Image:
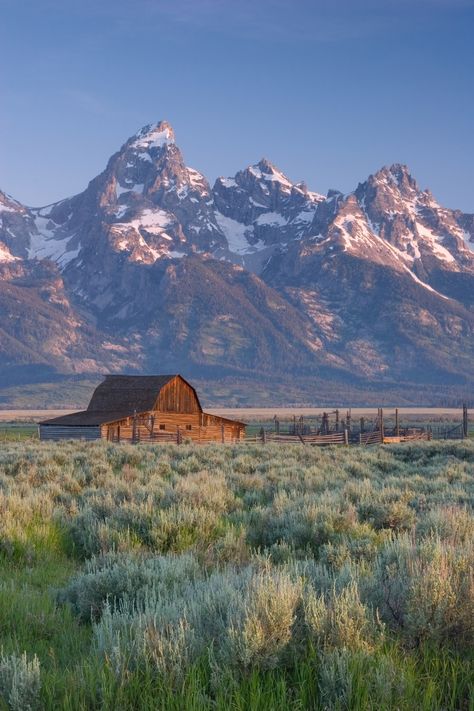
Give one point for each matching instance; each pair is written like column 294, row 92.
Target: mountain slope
column 150, row 269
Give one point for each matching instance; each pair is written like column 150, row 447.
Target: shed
column 143, row 408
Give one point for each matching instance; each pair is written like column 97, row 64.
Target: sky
column 328, row 90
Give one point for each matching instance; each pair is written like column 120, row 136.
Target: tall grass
column 236, row 577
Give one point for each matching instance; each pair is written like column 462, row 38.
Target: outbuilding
column 143, row 408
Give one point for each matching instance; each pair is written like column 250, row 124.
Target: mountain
column 254, row 279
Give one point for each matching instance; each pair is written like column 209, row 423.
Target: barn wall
column 57, row 432
column 177, row 396
column 194, row 426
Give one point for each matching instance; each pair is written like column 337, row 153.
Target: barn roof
column 118, row 397
column 87, row 418
column 128, row 393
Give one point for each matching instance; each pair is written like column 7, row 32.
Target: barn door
column 113, row 433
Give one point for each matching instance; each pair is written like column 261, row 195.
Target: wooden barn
column 143, row 408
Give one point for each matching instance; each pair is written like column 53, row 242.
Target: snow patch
column 153, row 136
column 153, row 221
column 257, row 204
column 236, row 234
column 228, row 182
column 120, row 211
column 46, row 245
column 129, row 237
column 305, row 216
column 271, row 218
column 7, row 208
column 468, row 240
column 10, row 205
column 427, row 286
column 137, row 188
column 6, row 255
column 433, row 240
column 274, row 176
column 196, row 178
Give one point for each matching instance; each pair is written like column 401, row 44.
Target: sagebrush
column 246, row 576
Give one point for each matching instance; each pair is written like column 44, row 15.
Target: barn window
column 188, row 427
column 162, row 427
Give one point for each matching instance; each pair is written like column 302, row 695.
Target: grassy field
column 236, row 577
column 17, row 431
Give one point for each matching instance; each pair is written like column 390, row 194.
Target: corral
column 133, row 408
column 337, row 427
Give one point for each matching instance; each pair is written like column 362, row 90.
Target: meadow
column 236, row 577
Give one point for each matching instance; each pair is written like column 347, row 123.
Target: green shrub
column 114, row 577
column 426, row 590
column 340, row 620
column 20, row 682
column 261, row 630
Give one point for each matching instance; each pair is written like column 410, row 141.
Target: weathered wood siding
column 178, row 396
column 196, row 426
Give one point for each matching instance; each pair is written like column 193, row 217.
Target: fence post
column 178, row 436
column 134, row 427
column 337, row 420
column 346, row 436
column 222, row 434
column 464, row 421
column 397, row 423
column 325, row 424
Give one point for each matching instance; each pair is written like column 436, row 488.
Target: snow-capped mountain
column 260, row 210
column 151, row 267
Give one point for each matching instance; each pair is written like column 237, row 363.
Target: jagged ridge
column 147, row 252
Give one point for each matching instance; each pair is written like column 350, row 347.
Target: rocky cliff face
column 151, row 269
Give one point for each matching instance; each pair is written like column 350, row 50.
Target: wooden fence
column 335, row 430
column 368, row 438
column 315, row 439
column 181, row 436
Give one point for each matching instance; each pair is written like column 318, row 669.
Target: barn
column 143, row 408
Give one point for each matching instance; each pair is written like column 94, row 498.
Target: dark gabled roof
column 86, row 418
column 128, row 393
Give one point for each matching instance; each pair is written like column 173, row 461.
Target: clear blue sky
column 329, row 90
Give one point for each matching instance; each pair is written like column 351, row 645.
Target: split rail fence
column 334, row 429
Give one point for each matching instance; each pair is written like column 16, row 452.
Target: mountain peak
column 397, row 174
column 266, row 166
column 154, row 135
column 268, row 172
column 399, row 171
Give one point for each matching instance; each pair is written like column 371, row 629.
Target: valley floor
column 253, row 413
column 236, row 577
